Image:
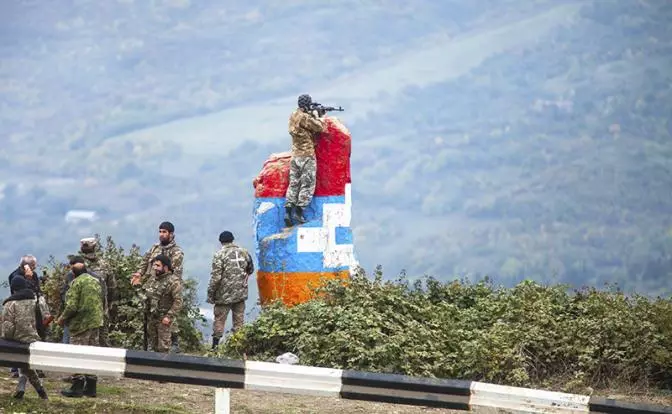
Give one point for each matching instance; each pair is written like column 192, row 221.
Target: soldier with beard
column 164, row 301
column 169, row 248
column 84, row 315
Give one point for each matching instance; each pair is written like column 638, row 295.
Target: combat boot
column 298, row 216
column 288, row 216
column 215, row 342
column 42, row 393
column 77, row 388
column 90, row 387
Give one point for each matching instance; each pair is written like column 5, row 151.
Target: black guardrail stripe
column 611, row 406
column 400, row 389
column 14, row 354
column 185, row 369
column 403, row 382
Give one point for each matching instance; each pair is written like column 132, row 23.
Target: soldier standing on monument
column 232, row 266
column 167, row 247
column 303, row 127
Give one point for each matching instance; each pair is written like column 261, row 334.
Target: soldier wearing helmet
column 303, row 128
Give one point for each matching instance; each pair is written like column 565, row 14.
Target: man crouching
column 19, row 323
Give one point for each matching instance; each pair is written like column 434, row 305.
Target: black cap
column 225, row 237
column 167, row 225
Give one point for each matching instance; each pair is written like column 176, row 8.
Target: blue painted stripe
column 280, row 251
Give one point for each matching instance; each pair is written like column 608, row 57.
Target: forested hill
column 519, row 139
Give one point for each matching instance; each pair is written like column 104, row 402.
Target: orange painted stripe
column 293, row 287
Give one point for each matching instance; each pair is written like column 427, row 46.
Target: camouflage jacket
column 164, row 295
column 303, row 127
column 83, row 304
column 230, row 267
column 171, row 250
column 19, row 322
column 98, row 265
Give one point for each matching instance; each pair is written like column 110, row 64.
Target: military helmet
column 88, row 242
column 304, row 101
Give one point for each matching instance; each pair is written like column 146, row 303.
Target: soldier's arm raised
column 177, row 262
column 215, row 277
column 312, row 124
column 139, row 274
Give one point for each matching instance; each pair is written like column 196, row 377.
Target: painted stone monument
column 292, row 260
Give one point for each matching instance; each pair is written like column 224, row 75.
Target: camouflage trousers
column 89, row 337
column 158, row 334
column 222, row 312
column 302, row 171
column 28, row 375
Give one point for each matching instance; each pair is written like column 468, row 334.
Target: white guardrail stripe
column 516, row 399
column 292, row 379
column 47, row 356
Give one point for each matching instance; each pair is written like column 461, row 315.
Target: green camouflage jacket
column 83, row 304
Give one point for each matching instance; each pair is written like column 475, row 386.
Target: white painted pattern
column 48, row 356
column 525, row 400
column 264, row 207
column 323, row 239
column 292, row 379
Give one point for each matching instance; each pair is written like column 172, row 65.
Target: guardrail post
column 222, row 401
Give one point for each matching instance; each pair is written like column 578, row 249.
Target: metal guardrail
column 225, row 374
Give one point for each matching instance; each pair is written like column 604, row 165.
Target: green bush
column 126, row 329
column 528, row 335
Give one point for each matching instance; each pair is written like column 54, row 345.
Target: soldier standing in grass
column 83, row 313
column 169, row 248
column 164, row 301
column 303, row 127
column 19, row 323
column 90, row 251
column 232, row 266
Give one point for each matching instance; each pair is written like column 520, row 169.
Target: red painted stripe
column 332, row 152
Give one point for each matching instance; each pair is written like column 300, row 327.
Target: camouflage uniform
column 176, row 255
column 83, row 313
column 100, row 268
column 19, row 324
column 302, row 168
column 164, row 298
column 227, row 289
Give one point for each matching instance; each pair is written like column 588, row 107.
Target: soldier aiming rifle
column 322, row 110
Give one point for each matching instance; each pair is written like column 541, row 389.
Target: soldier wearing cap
column 97, row 267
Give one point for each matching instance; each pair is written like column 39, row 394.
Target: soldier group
column 89, row 296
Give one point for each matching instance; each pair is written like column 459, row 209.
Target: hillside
column 513, row 138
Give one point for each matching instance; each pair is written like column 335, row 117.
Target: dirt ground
column 135, row 396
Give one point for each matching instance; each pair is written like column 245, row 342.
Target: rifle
column 321, row 109
column 145, row 322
